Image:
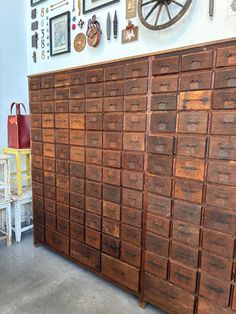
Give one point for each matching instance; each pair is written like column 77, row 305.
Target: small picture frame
column 36, row 2
column 93, row 5
column 60, row 34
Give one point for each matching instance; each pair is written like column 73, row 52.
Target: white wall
column 13, row 59
column 195, row 27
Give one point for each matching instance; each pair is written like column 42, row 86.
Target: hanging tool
column 79, row 7
column 56, row 4
column 108, row 26
column 73, row 10
column 211, row 7
column 115, row 25
column 54, row 8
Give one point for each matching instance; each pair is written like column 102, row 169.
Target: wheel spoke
column 168, row 12
column 152, row 9
column 151, row 1
column 158, row 14
column 177, row 3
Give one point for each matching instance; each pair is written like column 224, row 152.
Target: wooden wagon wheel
column 160, row 14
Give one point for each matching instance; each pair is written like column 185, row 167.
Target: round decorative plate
column 80, row 42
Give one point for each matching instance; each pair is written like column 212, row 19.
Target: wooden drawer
column 133, row 161
column 62, row 80
column 93, row 221
column 49, row 178
column 37, row 162
column 157, row 244
column 93, row 173
column 130, row 254
column 132, row 198
column 94, row 205
column 38, row 204
column 134, row 141
column 85, row 255
column 120, row 272
column 63, row 196
column 112, row 159
column 77, row 105
column 62, row 152
column 37, row 175
column 61, row 120
column 136, row 86
column 113, row 122
column 225, row 78
column 94, row 122
column 77, row 170
column 184, row 254
column 158, row 225
column 39, row 234
column 136, row 103
column 223, row 122
column 57, row 241
column 160, row 185
column 187, row 212
column 77, row 185
column 48, row 106
column 112, row 193
column 189, row 190
column 113, row 73
column 36, row 120
column 223, row 147
column 62, row 106
column 94, row 189
column 48, row 94
column 183, row 277
column 136, row 69
column 155, row 265
column 207, row 307
column 77, row 137
column 62, row 136
column 112, row 140
column 94, row 156
column 113, row 104
column 226, row 56
column 77, row 92
column 48, row 120
column 110, row 246
column 76, row 233
column 190, row 168
column 111, row 210
column 193, row 122
column 192, row 146
column 113, row 89
column 93, row 238
column 159, row 205
column 77, row 78
column 77, row 215
column 36, row 147
column 111, row 227
column 196, row 80
column 94, row 105
column 224, row 99
column 76, row 121
column 111, row 176
column 63, row 210
column 133, row 180
column 62, row 93
column 39, row 216
column 198, row 100
column 131, row 217
column 35, row 107
column 35, row 95
column 49, row 150
column 184, row 232
column 49, row 164
column 63, row 226
column 165, row 65
column 164, row 102
column 63, row 181
column 165, row 84
column 221, row 196
column 50, row 206
column 160, row 164
column 135, row 122
column 34, row 83
column 163, row 122
column 160, row 144
column 94, row 139
column 77, row 200
column 94, row 90
column 222, row 172
column 197, row 61
column 48, row 135
column 48, row 82
column 77, row 153
column 94, row 75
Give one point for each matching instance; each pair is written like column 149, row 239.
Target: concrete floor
column 38, row 281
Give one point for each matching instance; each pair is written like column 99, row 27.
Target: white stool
column 5, row 227
column 23, row 221
column 5, row 194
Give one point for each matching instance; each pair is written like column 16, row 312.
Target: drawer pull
column 113, row 246
column 224, row 198
column 231, row 54
column 134, row 141
column 230, row 99
column 164, row 84
column 118, row 271
column 196, row 61
column 164, row 65
column 130, row 254
column 203, row 100
column 189, row 168
column 224, row 173
column 188, row 191
column 191, row 145
column 230, row 78
column 193, row 122
column 94, row 77
column 136, row 69
column 195, row 81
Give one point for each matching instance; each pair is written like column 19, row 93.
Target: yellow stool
column 20, row 175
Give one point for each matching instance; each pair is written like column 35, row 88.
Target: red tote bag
column 18, row 128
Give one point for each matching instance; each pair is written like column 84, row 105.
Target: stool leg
column 18, row 174
column 8, row 225
column 17, row 209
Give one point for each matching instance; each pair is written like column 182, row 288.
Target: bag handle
column 17, row 108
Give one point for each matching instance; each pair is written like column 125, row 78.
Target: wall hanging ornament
column 211, row 7
column 33, row 14
column 36, row 2
column 93, row 32
column 160, row 14
column 79, row 42
column 130, row 33
column 93, row 5
column 131, row 8
column 115, row 25
column 81, row 23
column 108, row 26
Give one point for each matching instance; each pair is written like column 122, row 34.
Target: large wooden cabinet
column 134, row 174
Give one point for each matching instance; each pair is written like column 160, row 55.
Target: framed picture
column 36, row 2
column 60, row 34
column 93, row 5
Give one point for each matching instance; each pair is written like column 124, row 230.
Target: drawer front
column 136, row 103
column 62, row 106
column 77, row 78
column 134, row 141
column 111, row 176
column 39, row 233
column 184, row 232
column 136, row 69
column 76, row 233
column 131, row 179
column 133, row 161
column 225, row 78
column 114, row 73
column 226, row 56
column 223, row 123
column 132, row 217
column 62, row 93
column 111, row 210
column 57, row 241
column 112, row 159
column 77, row 170
column 112, row 193
column 136, row 86
column 192, row 146
column 130, row 254
column 93, row 173
column 93, row 221
column 94, row 105
column 187, row 212
column 77, row 137
column 49, row 150
column 189, row 190
column 221, row 196
column 34, row 83
column 155, row 265
column 94, row 122
column 77, row 106
column 223, row 147
column 93, row 238
column 222, row 172
column 62, row 80
column 164, row 102
column 50, row 206
column 48, row 94
column 37, row 175
column 113, row 122
column 63, row 226
column 159, row 185
column 196, row 80
column 120, row 272
column 110, row 246
column 94, row 75
column 48, row 107
column 224, row 99
column 63, row 196
column 163, row 122
column 36, row 135
column 35, row 96
column 197, row 61
column 94, row 156
column 208, row 307
column 112, row 140
column 114, row 89
column 77, row 92
column 76, row 121
column 37, row 162
column 48, row 135
column 184, row 254
column 111, row 227
column 190, row 168
column 158, row 225
column 36, row 120
column 76, row 154
column 135, row 122
column 160, row 144
column 113, row 104
column 160, row 164
column 77, row 215
column 48, row 82
column 94, row 189
column 38, row 203
column 94, row 90
column 35, row 107
column 62, row 152
column 165, row 84
column 94, row 205
column 94, row 139
column 39, row 216
column 199, row 100
column 48, row 121
column 61, row 120
column 85, row 255
column 49, row 178
column 62, row 136
column 76, row 185
column 77, row 200
column 183, row 277
column 132, row 198
column 63, row 181
column 49, row 164
column 63, row 210
column 157, row 244
column 193, row 122
column 165, row 65
column 159, row 205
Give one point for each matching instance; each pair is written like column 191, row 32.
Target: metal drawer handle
column 164, row 65
column 130, row 254
column 163, row 103
column 188, row 190
column 191, row 145
column 231, row 54
column 136, row 69
column 164, row 84
column 195, row 81
column 221, row 197
column 231, row 78
column 193, row 122
column 196, row 61
column 224, row 173
column 118, row 271
column 189, row 168
column 229, row 99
